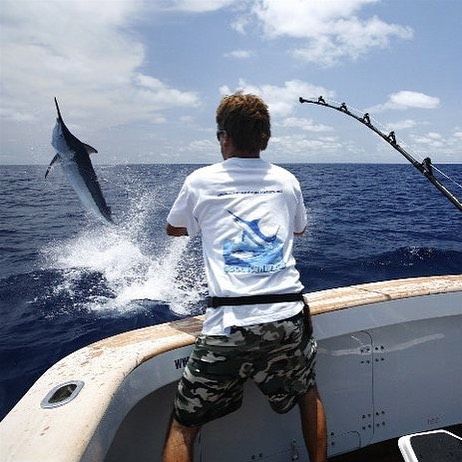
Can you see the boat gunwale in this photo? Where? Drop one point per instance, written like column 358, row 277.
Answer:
column 320, row 302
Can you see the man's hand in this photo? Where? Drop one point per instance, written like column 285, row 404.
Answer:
column 300, row 234
column 175, row 231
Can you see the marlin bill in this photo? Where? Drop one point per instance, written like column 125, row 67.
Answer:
column 74, row 157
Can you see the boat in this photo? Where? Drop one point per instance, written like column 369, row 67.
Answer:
column 389, row 364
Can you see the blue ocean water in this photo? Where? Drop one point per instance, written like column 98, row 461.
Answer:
column 67, row 280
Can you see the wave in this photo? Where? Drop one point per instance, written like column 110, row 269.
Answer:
column 127, row 266
column 424, row 258
column 403, row 262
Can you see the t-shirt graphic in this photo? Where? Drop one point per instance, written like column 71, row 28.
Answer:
column 252, row 251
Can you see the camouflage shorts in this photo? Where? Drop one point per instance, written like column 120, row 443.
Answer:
column 278, row 356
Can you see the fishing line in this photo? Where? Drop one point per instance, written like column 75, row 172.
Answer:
column 424, row 166
column 447, row 177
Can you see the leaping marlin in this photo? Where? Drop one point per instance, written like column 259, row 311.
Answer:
column 74, row 157
column 252, row 229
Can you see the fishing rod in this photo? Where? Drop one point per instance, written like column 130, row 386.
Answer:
column 425, row 167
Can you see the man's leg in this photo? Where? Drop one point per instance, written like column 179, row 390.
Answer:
column 314, row 425
column 179, row 444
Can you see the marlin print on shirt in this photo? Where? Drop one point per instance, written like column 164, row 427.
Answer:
column 252, row 251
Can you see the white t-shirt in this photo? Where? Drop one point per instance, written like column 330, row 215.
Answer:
column 247, row 211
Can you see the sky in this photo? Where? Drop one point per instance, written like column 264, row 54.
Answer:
column 140, row 80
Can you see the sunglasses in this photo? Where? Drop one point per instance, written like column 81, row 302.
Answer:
column 220, row 132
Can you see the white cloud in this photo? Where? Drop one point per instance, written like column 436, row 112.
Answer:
column 430, row 140
column 458, row 135
column 329, row 30
column 198, row 6
column 15, row 116
column 281, row 100
column 239, row 54
column 83, row 53
column 205, row 150
column 401, row 124
column 160, row 95
column 441, row 147
column 299, row 147
column 241, row 23
column 205, row 145
column 187, row 119
column 407, row 99
column 305, row 124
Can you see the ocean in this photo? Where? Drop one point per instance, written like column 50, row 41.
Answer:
column 66, row 280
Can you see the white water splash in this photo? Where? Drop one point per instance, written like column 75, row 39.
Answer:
column 173, row 275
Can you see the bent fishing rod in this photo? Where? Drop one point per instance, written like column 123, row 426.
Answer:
column 425, row 167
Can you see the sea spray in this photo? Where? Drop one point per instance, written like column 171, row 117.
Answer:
column 128, row 273
column 131, row 264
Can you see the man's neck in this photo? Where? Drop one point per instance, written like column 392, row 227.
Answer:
column 228, row 150
column 245, row 155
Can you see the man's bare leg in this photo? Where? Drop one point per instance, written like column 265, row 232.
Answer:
column 179, row 443
column 314, row 425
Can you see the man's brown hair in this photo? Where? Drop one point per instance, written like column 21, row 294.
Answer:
column 246, row 119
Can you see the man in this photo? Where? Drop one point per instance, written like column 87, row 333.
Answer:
column 256, row 327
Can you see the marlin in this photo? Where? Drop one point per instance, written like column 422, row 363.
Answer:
column 74, row 157
column 252, row 230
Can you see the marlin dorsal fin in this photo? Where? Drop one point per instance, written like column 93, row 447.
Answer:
column 89, row 149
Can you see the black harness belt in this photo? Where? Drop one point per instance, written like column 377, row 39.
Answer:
column 215, row 302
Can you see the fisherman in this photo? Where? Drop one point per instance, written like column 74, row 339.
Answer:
column 256, row 325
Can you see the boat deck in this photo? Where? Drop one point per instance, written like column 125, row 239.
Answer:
column 386, row 451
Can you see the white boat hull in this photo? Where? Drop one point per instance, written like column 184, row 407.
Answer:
column 389, row 364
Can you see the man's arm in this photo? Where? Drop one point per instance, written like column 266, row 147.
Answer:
column 175, row 231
